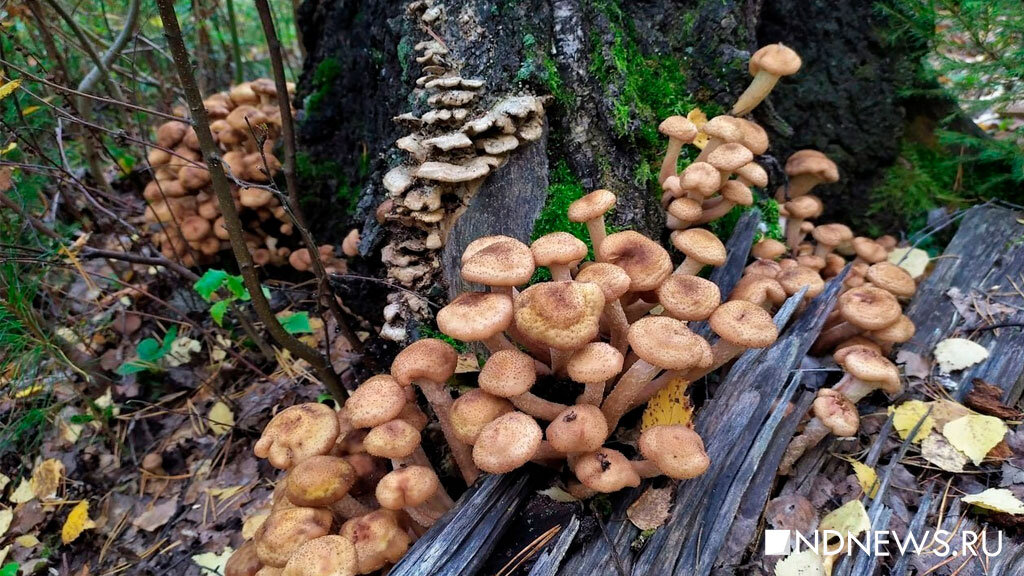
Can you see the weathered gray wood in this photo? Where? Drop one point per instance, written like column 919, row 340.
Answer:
column 609, row 552
column 737, row 249
column 548, row 561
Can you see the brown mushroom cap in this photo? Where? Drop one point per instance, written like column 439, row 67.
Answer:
column 725, row 128
column 430, row 359
column 869, row 307
column 324, row 556
column 560, row 315
column 613, row 281
column 170, row 133
column 870, row 366
column 689, row 298
column 244, row 561
column 795, row 278
column 195, row 228
column 376, row 401
column 768, row 248
column 474, row 410
column 591, row 206
column 595, row 362
column 580, row 428
column 700, row 178
column 753, row 173
column 892, row 278
column 836, row 412
column 474, row 316
column 606, row 470
column 803, row 207
column 301, row 260
column 497, row 261
column 667, row 343
column 507, row 442
column 409, row 486
column 816, row 165
column 558, row 248
column 507, row 373
column 676, row 450
column 763, row 267
column 775, row 59
column 744, row 323
column 319, row 481
column 393, row 439
column 899, row 331
column 737, row 192
column 832, row 234
column 297, row 433
column 285, row 530
column 685, row 209
column 254, row 197
column 701, row 245
column 868, row 250
column 377, row 538
column 678, row 128
column 754, row 137
column 759, row 289
column 645, row 262
column 729, row 157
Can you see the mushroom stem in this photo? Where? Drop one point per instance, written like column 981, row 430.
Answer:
column 646, row 468
column 802, row 184
column 670, row 164
column 537, row 407
column 689, row 267
column 708, row 149
column 834, row 335
column 560, row 272
column 596, row 229
column 722, row 352
column 854, row 388
column 558, row 360
column 715, row 212
column 638, row 310
column 823, row 250
column 760, row 87
column 441, row 401
column 653, row 387
column 618, row 325
column 629, row 385
column 593, row 393
column 349, row 507
column 793, row 234
column 814, row 432
column 545, row 453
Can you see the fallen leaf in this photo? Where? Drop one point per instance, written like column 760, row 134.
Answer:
column 670, row 405
column 945, row 411
column 913, row 260
column 650, row 510
column 3, row 556
column 181, row 351
column 220, row 419
column 867, row 477
column 937, row 450
column 954, row 354
column 557, row 494
column 803, row 563
column 77, row 522
column 975, row 435
column 6, row 517
column 850, row 518
column 156, row 516
column 914, row 365
column 4, row 481
column 467, row 363
column 226, row 492
column 988, row 399
column 213, row 564
column 907, row 415
column 997, row 499
column 27, row 541
column 252, row 524
column 23, row 493
column 46, row 478
column 8, row 88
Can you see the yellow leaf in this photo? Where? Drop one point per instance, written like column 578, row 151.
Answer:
column 998, row 499
column 975, row 435
column 27, row 541
column 78, row 521
column 29, row 110
column 26, row 392
column 669, row 406
column 867, row 477
column 46, row 478
column 803, row 563
column 212, row 564
column 4, row 481
column 3, row 553
column 8, row 88
column 6, row 516
column 23, row 493
column 913, row 260
column 9, row 148
column 698, row 117
column 954, row 354
column 937, row 450
column 907, row 415
column 252, row 524
column 220, row 419
column 850, row 518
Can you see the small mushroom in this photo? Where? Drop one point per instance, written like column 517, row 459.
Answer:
column 413, row 489
column 866, row 371
column 564, row 316
column 680, row 131
column 377, row 538
column 807, row 169
column 761, row 290
column 478, row 317
column 510, row 374
column 688, row 298
column 767, row 65
column 324, row 556
column 474, row 410
column 507, row 442
column 701, row 247
column 590, row 209
column 593, row 366
column 862, row 309
column 833, row 412
column 614, row 283
column 734, row 193
column 605, row 470
column 768, row 248
column 297, row 433
column 324, row 482
column 675, row 451
column 645, row 262
column 740, row 326
column 699, row 181
column 580, row 428
column 244, row 561
column 559, row 252
column 500, row 262
column 830, row 236
column 285, row 530
column 379, row 399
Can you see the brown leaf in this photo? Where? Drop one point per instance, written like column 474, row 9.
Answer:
column 792, row 512
column 5, row 179
column 650, row 510
column 156, row 516
column 914, row 365
column 988, row 399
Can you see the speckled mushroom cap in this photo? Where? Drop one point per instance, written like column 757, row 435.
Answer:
column 297, row 433
column 736, row 192
column 811, row 261
column 685, row 209
column 581, row 428
column 678, row 128
column 807, row 206
column 701, row 245
column 595, row 362
column 768, row 248
column 474, row 316
column 816, row 164
column 724, row 127
column 667, row 343
column 329, row 555
column 606, row 470
column 430, row 359
column 244, row 561
column 763, row 267
column 869, row 307
column 645, row 262
column 507, row 442
column 856, row 341
column 560, row 315
column 700, row 178
column 688, row 298
column 754, row 137
column 836, row 412
column 409, row 486
column 892, row 278
column 285, row 530
column 497, row 261
column 507, row 373
column 613, row 281
column 319, row 481
column 676, row 450
column 558, row 248
column 901, row 330
column 832, row 235
column 730, row 156
column 670, row 185
column 868, row 250
column 775, row 59
column 591, row 205
column 392, row 439
column 869, row 366
column 744, row 323
column 795, row 278
column 377, row 538
column 753, row 172
column 376, row 401
column 474, row 410
column 758, row 289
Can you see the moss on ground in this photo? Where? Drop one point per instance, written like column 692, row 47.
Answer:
column 724, row 226
column 539, row 67
column 327, row 71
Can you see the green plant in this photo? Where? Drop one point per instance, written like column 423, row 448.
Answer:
column 148, row 353
column 327, row 71
column 209, row 287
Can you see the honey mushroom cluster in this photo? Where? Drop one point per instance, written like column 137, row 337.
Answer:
column 182, row 210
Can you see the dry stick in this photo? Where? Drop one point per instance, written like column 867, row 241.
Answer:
column 236, row 47
column 172, row 32
column 87, row 47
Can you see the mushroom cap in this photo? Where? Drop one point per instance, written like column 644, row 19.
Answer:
column 892, row 278
column 324, row 556
column 802, row 207
column 558, row 248
column 724, row 127
column 754, row 137
column 816, row 263
column 868, row 250
column 744, row 324
column 285, row 530
column 869, row 366
column 409, row 486
column 672, row 186
column 701, row 245
column 753, row 172
column 700, row 178
column 737, row 192
column 497, row 261
column 689, row 298
column 857, row 341
column 678, row 128
column 195, row 228
column 606, row 470
column 901, row 330
column 350, row 245
column 507, row 442
column 613, row 281
column 591, row 206
column 507, row 374
column 474, row 410
column 596, row 362
column 376, row 401
column 560, row 315
column 804, row 163
column 392, row 439
column 685, row 209
column 473, row 316
column 319, row 481
column 768, row 248
column 869, row 307
column 301, row 260
column 254, row 197
column 730, row 156
column 759, row 290
column 263, row 86
column 377, row 538
column 796, row 277
column 763, row 267
column 242, row 94
column 297, row 433
column 775, row 59
column 676, row 450
column 430, row 359
column 170, row 133
column 836, row 412
column 667, row 343
column 832, row 234
column 244, row 561
column 580, row 428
